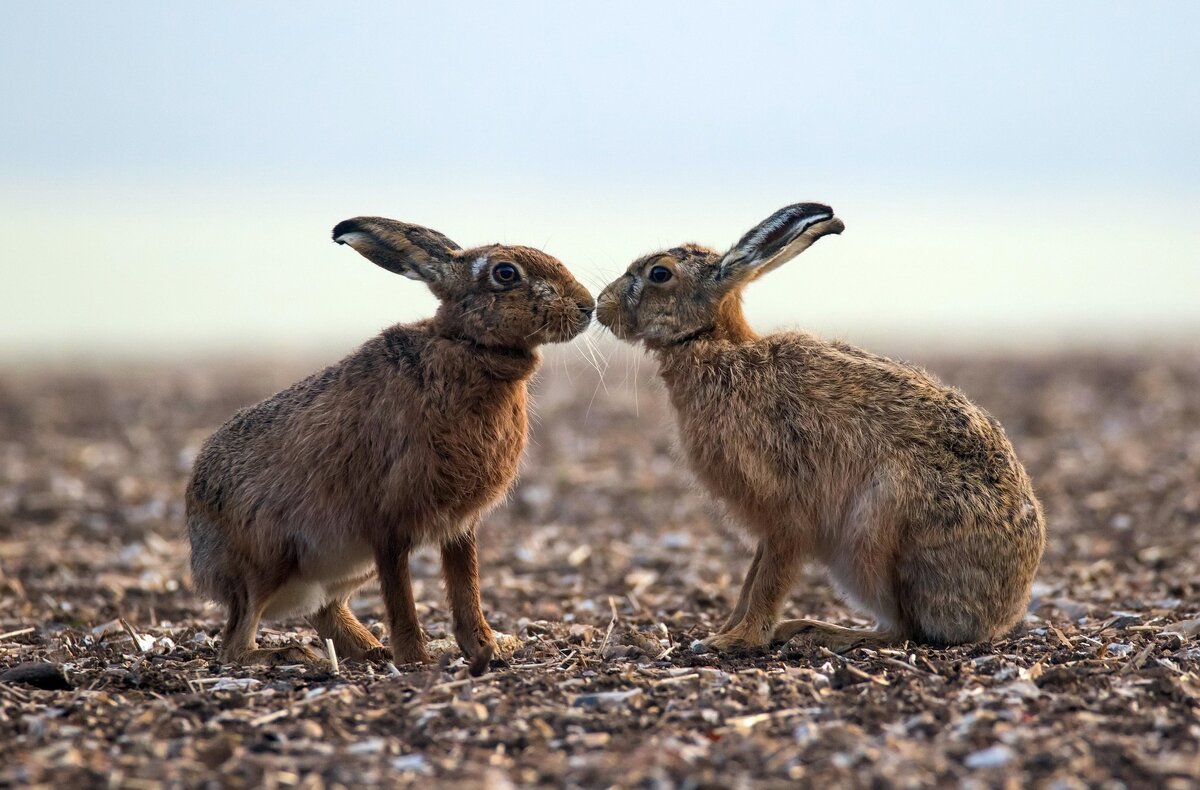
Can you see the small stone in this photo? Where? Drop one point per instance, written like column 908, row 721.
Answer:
column 993, row 757
column 414, row 763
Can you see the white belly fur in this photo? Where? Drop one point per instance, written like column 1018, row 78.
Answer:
column 329, row 573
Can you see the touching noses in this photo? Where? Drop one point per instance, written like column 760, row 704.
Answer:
column 584, row 300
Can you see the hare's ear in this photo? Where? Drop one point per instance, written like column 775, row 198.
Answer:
column 779, row 238
column 415, row 252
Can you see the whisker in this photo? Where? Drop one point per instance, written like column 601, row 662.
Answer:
column 637, row 365
column 588, row 355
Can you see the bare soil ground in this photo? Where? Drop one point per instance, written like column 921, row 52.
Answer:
column 605, row 565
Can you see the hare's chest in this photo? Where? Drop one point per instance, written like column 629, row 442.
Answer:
column 735, row 456
column 475, row 454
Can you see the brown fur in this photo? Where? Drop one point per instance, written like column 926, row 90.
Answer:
column 298, row 501
column 907, row 492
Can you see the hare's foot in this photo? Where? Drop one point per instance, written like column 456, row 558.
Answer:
column 376, row 655
column 410, row 649
column 742, row 637
column 384, row 655
column 477, row 650
column 478, row 646
column 350, row 637
column 279, row 656
column 833, row 637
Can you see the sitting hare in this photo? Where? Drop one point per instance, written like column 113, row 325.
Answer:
column 908, row 493
column 296, row 502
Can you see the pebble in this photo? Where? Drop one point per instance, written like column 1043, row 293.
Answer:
column 992, row 757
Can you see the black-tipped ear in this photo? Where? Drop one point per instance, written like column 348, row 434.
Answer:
column 779, row 238
column 411, row 250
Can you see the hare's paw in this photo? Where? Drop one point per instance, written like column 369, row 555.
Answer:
column 480, row 655
column 738, row 640
column 376, row 655
column 478, row 646
column 282, row 656
column 839, row 639
column 410, row 651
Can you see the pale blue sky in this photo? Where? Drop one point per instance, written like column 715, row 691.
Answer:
column 1007, row 172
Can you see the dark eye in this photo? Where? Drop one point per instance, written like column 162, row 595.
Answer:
column 505, row 274
column 659, row 274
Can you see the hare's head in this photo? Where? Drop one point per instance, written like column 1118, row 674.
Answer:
column 497, row 296
column 684, row 292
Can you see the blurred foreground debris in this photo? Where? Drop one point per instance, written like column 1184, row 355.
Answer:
column 603, row 570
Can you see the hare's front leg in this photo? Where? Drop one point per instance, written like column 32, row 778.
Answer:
column 739, row 610
column 774, row 574
column 460, row 568
column 408, row 643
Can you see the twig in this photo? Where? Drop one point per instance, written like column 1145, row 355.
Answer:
column 827, row 653
column 905, row 665
column 279, row 714
column 333, row 659
column 853, row 670
column 1061, row 637
column 136, row 637
column 745, row 722
column 612, row 603
column 542, row 664
column 270, row 717
column 450, row 685
column 19, row 632
column 1136, row 661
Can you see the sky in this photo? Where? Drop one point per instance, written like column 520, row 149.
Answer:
column 1010, row 175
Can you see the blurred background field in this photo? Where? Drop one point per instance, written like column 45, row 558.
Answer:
column 1012, row 176
column 1020, row 186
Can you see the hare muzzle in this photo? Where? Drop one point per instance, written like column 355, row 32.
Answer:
column 610, row 313
column 572, row 312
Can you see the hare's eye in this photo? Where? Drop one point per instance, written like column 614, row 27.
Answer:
column 660, row 274
column 505, row 274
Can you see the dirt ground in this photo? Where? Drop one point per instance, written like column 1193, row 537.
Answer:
column 605, row 566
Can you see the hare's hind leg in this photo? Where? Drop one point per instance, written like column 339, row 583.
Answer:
column 460, row 567
column 242, row 624
column 350, row 637
column 238, row 645
column 743, row 601
column 834, row 637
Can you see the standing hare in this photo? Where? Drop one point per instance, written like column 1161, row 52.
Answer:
column 298, row 501
column 908, row 493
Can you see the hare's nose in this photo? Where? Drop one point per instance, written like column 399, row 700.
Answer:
column 586, row 308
